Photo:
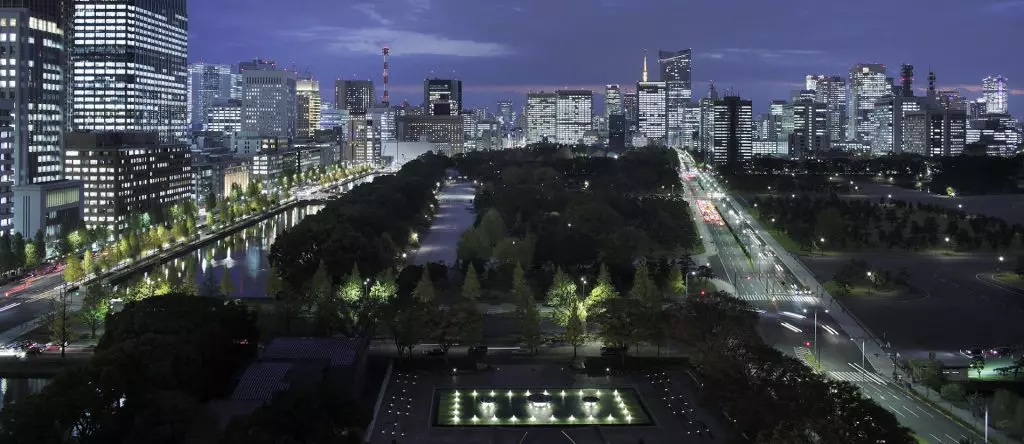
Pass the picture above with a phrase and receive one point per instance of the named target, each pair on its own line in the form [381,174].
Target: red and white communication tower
[386,100]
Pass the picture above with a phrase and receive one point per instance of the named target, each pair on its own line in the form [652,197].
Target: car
[746,277]
[436,351]
[612,351]
[972,353]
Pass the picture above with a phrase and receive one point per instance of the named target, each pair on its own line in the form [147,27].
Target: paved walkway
[454,216]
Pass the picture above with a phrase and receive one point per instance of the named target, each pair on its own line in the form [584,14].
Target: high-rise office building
[868,83]
[707,120]
[938,129]
[997,132]
[136,172]
[809,137]
[976,109]
[541,117]
[612,100]
[268,100]
[651,111]
[676,74]
[630,109]
[207,83]
[775,131]
[130,61]
[733,134]
[574,109]
[331,117]
[224,116]
[364,147]
[442,97]
[307,113]
[506,114]
[617,131]
[355,96]
[996,94]
[33,117]
[676,70]
[831,90]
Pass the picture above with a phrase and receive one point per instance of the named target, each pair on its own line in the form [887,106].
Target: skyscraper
[676,74]
[207,83]
[809,137]
[733,134]
[651,116]
[268,99]
[707,121]
[307,113]
[506,114]
[676,66]
[33,117]
[612,100]
[130,61]
[355,96]
[442,97]
[541,117]
[573,112]
[996,94]
[867,84]
[831,90]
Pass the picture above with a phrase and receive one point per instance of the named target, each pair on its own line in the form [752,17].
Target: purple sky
[503,48]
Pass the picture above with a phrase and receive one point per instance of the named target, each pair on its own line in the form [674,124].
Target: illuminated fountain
[538,405]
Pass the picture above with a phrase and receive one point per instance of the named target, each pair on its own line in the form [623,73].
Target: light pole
[686,283]
[863,349]
[583,280]
[817,357]
[1001,259]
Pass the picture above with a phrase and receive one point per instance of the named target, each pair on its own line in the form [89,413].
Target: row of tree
[817,223]
[370,225]
[544,211]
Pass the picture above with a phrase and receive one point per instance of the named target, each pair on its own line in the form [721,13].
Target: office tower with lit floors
[733,134]
[868,83]
[33,118]
[573,111]
[676,74]
[996,95]
[207,83]
[130,67]
[541,117]
[308,104]
[268,99]
[442,97]
[354,96]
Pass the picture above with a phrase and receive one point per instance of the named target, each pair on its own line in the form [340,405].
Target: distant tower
[907,80]
[387,99]
[644,77]
[931,84]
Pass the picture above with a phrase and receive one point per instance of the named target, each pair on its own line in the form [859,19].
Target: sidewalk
[958,414]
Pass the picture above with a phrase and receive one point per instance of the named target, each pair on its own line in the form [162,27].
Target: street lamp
[583,280]
[863,349]
[816,356]
[947,239]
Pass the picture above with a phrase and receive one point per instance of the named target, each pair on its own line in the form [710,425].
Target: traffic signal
[807,343]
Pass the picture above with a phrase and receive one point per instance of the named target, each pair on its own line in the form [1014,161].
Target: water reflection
[242,255]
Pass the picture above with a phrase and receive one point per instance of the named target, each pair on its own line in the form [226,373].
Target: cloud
[371,12]
[340,40]
[768,53]
[974,89]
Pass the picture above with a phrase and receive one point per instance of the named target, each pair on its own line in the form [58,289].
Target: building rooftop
[336,351]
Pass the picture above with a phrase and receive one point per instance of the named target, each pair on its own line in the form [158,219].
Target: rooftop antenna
[645,67]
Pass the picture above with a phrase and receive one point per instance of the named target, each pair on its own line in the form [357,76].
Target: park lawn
[862,291]
[1011,279]
[787,242]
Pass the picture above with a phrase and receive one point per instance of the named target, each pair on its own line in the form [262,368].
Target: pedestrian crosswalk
[779,298]
[850,376]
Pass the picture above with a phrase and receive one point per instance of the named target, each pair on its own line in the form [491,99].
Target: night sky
[504,48]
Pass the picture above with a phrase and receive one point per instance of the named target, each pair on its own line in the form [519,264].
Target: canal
[236,262]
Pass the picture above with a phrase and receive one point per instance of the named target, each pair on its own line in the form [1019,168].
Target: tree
[88,266]
[526,310]
[1019,268]
[562,296]
[603,291]
[39,241]
[644,290]
[424,291]
[73,271]
[18,250]
[95,306]
[324,414]
[978,364]
[471,285]
[32,257]
[59,320]
[493,228]
[954,392]
[575,329]
[705,273]
[676,282]
[210,202]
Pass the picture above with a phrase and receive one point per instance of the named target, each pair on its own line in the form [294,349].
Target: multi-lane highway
[791,310]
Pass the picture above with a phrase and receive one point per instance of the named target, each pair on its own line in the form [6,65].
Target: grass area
[787,242]
[1011,279]
[862,291]
[813,362]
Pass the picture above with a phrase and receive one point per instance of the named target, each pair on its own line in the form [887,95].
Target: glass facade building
[130,67]
[541,117]
[734,135]
[868,83]
[651,111]
[307,113]
[207,83]
[996,95]
[573,111]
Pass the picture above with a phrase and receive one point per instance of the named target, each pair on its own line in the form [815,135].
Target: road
[454,216]
[791,312]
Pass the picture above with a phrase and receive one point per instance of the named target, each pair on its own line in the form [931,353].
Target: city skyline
[497,60]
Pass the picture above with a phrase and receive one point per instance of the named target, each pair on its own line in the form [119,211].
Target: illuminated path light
[617,407]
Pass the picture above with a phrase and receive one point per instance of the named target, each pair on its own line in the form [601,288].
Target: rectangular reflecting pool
[485,407]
